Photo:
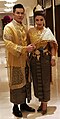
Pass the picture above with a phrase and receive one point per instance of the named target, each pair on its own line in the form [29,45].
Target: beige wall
[1,27]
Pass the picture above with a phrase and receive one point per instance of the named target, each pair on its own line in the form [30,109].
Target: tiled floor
[53,111]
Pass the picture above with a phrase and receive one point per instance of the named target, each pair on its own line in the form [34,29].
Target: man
[15,41]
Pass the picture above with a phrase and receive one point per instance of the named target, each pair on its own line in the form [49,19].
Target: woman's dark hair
[42,13]
[17,6]
[38,13]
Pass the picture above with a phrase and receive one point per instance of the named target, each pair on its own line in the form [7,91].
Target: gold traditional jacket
[15,41]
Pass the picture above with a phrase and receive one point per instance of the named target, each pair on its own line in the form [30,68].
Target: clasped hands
[31,47]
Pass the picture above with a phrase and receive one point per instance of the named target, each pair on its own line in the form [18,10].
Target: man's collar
[17,22]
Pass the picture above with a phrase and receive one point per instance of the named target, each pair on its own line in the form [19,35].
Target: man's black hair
[17,6]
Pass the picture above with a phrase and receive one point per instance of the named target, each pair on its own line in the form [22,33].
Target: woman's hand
[53,62]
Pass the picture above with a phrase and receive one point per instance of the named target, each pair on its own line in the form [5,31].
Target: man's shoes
[17,112]
[25,107]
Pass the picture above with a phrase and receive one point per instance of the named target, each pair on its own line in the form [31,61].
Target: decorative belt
[37,53]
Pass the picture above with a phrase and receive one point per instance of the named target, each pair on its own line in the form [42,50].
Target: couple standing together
[39,46]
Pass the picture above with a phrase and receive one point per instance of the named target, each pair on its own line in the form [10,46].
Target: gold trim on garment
[37,53]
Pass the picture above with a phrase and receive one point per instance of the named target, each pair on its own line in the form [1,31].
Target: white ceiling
[26,3]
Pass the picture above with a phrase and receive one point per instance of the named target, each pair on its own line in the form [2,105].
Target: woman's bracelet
[53,57]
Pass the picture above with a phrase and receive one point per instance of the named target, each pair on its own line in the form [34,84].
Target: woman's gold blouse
[40,38]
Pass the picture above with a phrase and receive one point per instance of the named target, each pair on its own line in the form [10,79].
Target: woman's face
[39,21]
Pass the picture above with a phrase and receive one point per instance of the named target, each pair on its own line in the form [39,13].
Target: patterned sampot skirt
[19,95]
[41,76]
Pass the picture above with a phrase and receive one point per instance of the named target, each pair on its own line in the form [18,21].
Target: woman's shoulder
[47,28]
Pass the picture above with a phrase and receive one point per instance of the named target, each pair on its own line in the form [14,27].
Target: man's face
[18,15]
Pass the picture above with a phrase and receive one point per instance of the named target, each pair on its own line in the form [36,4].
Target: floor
[53,111]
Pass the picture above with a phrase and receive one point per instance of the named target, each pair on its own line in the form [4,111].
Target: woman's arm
[53,53]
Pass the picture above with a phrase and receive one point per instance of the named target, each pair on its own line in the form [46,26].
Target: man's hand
[30,48]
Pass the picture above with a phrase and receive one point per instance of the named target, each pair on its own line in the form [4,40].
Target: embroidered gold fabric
[15,42]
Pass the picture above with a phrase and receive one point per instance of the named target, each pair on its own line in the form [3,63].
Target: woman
[42,58]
